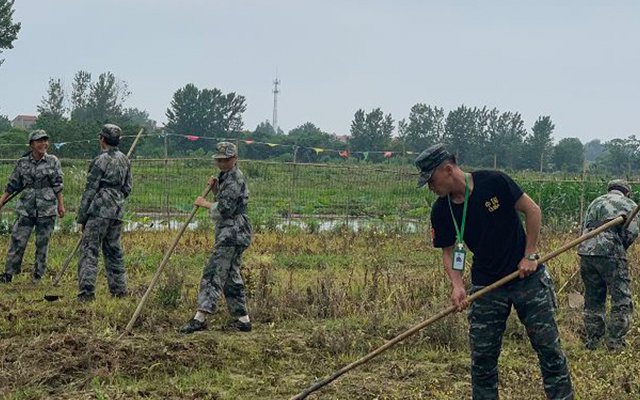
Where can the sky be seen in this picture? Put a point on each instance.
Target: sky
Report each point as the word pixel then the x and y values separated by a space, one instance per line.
pixel 577 61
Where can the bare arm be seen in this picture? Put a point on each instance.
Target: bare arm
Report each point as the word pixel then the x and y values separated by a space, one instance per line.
pixel 533 222
pixel 458 294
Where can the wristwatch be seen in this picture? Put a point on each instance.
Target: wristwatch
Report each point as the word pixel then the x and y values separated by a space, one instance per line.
pixel 532 257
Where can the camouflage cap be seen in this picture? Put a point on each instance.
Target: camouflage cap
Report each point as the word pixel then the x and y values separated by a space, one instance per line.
pixel 429 160
pixel 37 134
pixel 619 184
pixel 225 150
pixel 111 131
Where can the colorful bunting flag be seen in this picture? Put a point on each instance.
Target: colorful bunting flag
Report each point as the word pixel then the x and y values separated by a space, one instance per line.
pixel 58 145
pixel 318 150
pixel 248 141
pixel 388 154
pixel 192 138
pixel 344 153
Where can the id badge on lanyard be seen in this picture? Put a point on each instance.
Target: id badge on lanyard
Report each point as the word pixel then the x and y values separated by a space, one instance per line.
pixel 459 256
pixel 459 253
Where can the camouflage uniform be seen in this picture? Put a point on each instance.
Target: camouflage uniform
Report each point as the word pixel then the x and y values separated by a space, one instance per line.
pixel 232 237
pixel 534 300
pixel 603 267
pixel 40 182
pixel 101 211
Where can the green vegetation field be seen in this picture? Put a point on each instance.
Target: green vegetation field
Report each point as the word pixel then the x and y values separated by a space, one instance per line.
pixel 386 193
pixel 318 302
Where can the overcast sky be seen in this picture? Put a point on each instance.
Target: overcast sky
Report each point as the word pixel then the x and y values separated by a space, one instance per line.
pixel 577 61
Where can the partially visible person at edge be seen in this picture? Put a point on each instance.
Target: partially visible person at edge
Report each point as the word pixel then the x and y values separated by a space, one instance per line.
pixel 603 267
pixel 233 233
pixel 38 176
pixel 492 230
pixel 100 216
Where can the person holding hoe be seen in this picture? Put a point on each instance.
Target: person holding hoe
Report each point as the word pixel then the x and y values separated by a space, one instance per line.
pixel 38 175
pixel 480 210
pixel 233 233
pixel 100 216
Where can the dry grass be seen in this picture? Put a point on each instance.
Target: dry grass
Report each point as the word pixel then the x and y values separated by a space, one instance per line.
pixel 318 303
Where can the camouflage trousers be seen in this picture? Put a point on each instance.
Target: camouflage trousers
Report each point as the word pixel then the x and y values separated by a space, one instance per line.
pixel 101 233
pixel 19 238
pixel 601 275
pixel 222 276
pixel 534 300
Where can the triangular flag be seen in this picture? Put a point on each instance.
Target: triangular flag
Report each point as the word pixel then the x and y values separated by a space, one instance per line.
pixel 272 144
pixel 58 145
pixel 192 138
pixel 365 155
pixel 344 153
pixel 318 150
pixel 388 154
pixel 248 141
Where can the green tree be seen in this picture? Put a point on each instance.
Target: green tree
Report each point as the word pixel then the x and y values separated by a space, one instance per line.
pixel 465 134
pixel 424 128
pixel 539 145
pixel 506 137
pixel 620 156
pixel 593 149
pixel 371 131
pixel 52 106
pixel 99 102
pixel 307 137
pixel 568 155
pixel 136 117
pixel 8 29
pixel 80 92
pixel 206 112
pixel 5 124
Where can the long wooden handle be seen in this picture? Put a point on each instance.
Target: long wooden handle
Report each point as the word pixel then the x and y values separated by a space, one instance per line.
pixel 135 142
pixel 67 262
pixel 449 310
pixel 164 261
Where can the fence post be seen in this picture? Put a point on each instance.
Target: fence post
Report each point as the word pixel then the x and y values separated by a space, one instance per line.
pixel 293 183
pixel 584 185
pixel 166 180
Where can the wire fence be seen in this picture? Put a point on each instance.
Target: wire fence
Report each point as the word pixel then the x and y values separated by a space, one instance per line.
pixel 313 197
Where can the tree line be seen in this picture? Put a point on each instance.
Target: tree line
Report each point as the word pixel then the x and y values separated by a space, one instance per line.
pixel 480 136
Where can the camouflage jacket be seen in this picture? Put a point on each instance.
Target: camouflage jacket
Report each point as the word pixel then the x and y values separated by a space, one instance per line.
pixel 40 181
pixel 613 242
pixel 232 224
pixel 108 184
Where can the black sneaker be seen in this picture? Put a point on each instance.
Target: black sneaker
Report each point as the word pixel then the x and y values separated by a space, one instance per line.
pixel 6 278
pixel 193 325
pixel 120 295
pixel 237 325
pixel 36 279
pixel 84 298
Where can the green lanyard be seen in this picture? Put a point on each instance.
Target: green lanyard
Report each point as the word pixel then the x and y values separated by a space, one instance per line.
pixel 460 231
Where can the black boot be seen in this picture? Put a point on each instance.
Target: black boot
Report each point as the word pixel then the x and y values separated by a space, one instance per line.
pixel 6 278
pixel 193 325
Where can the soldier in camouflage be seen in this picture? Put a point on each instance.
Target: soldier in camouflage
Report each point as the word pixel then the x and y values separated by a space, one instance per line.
pixel 38 176
pixel 100 216
pixel 603 267
pixel 233 232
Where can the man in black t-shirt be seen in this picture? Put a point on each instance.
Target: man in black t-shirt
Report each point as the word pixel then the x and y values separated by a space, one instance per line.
pixel 480 210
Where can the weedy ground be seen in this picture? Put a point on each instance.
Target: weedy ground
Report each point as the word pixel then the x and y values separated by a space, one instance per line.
pixel 318 302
